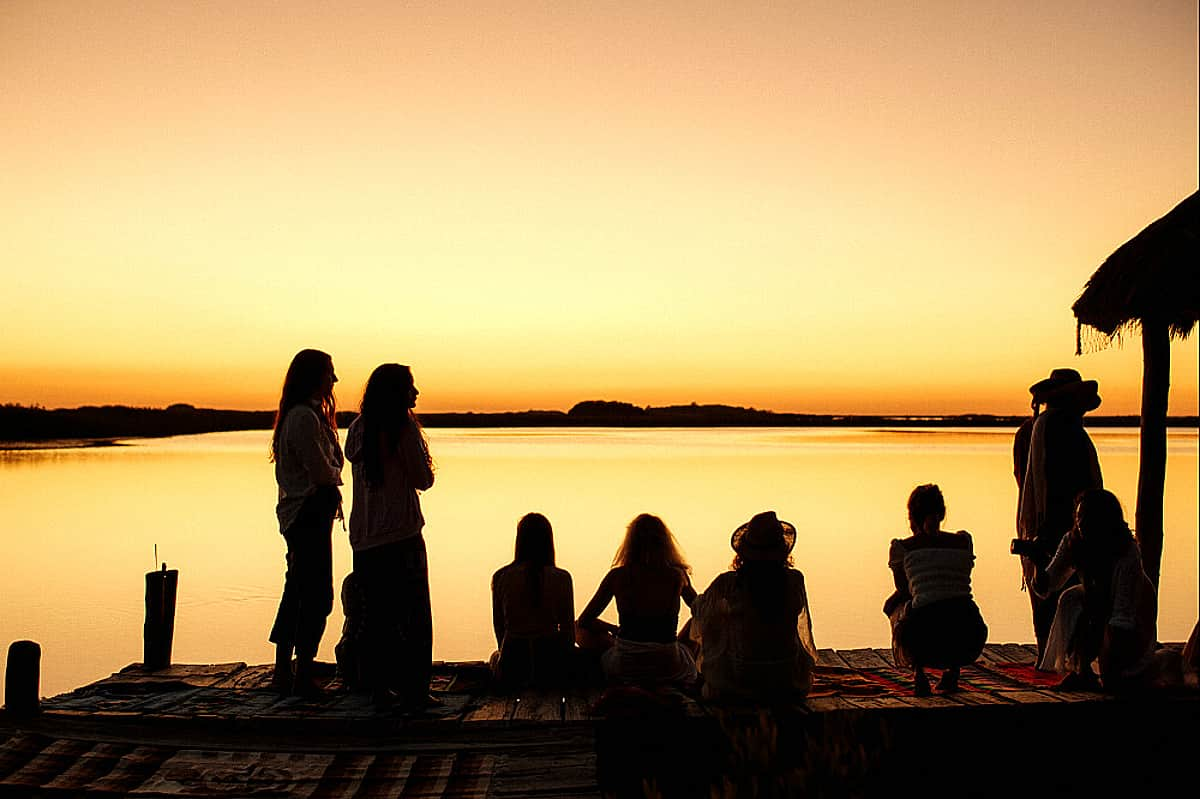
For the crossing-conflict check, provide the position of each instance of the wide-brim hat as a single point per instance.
(764, 537)
(1066, 386)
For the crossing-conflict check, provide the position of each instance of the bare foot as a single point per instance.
(921, 685)
(281, 679)
(384, 699)
(948, 684)
(304, 684)
(307, 688)
(1080, 681)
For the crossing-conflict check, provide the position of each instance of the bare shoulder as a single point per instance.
(616, 576)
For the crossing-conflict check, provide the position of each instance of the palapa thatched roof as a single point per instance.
(1155, 275)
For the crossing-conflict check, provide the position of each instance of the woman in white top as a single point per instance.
(308, 469)
(391, 464)
(935, 622)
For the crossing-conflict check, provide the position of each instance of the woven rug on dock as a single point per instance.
(832, 681)
(30, 762)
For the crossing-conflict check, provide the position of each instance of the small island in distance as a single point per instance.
(99, 425)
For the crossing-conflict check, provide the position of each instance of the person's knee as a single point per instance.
(317, 602)
(1071, 599)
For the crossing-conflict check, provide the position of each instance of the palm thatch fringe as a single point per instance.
(1153, 276)
(1088, 339)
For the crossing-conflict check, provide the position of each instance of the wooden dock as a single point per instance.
(218, 730)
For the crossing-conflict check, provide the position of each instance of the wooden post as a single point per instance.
(160, 618)
(1152, 466)
(22, 678)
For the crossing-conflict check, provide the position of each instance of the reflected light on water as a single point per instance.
(83, 525)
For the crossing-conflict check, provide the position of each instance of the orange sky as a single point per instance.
(856, 207)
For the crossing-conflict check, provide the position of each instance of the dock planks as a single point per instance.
(223, 720)
(238, 691)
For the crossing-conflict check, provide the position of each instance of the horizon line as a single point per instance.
(715, 406)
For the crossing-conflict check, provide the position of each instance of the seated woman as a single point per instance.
(350, 648)
(935, 622)
(533, 610)
(1191, 654)
(1111, 616)
(648, 578)
(752, 623)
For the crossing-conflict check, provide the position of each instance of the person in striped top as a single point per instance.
(935, 621)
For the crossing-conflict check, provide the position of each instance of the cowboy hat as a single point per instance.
(1066, 386)
(764, 538)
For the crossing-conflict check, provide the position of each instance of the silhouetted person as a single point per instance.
(1191, 656)
(350, 647)
(935, 621)
(753, 623)
(391, 464)
(1022, 439)
(308, 469)
(1021, 442)
(1062, 462)
(648, 578)
(533, 611)
(1111, 616)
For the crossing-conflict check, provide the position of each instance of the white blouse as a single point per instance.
(309, 456)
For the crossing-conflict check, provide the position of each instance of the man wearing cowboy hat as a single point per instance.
(1062, 462)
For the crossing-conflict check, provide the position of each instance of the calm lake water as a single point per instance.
(81, 527)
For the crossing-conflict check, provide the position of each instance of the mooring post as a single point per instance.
(22, 678)
(160, 618)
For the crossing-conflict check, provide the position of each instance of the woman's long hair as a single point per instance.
(534, 548)
(765, 581)
(648, 542)
(1099, 538)
(304, 377)
(385, 415)
(1101, 535)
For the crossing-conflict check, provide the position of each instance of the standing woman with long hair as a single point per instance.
(308, 469)
(648, 579)
(391, 464)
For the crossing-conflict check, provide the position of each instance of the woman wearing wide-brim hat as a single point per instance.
(1062, 463)
(753, 624)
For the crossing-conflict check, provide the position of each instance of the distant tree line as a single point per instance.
(32, 423)
(23, 423)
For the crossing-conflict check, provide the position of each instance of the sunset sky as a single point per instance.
(804, 206)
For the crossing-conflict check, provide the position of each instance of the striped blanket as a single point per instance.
(832, 681)
(31, 762)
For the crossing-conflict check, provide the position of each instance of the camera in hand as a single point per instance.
(1026, 547)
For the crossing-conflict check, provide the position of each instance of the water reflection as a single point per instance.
(82, 526)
